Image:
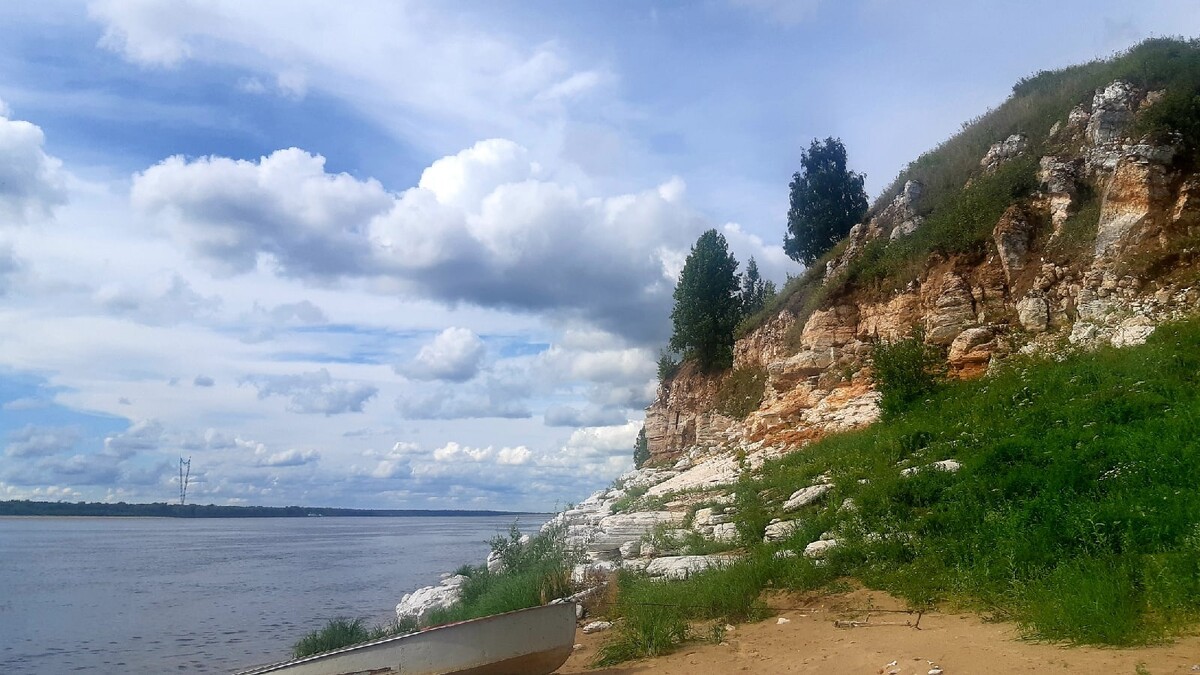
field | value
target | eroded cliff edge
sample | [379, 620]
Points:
[1102, 250]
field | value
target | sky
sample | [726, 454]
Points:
[393, 254]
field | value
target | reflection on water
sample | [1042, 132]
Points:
[148, 595]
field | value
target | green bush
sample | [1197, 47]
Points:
[668, 365]
[906, 370]
[741, 392]
[641, 448]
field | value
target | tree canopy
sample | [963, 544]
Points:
[641, 449]
[827, 199]
[707, 303]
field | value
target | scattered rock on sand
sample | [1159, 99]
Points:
[597, 626]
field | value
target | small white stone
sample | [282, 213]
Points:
[817, 549]
[597, 626]
[805, 496]
[780, 621]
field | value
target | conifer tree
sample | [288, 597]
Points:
[827, 199]
[707, 303]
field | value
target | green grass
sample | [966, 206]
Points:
[533, 574]
[654, 617]
[628, 500]
[1075, 514]
[342, 632]
[1076, 498]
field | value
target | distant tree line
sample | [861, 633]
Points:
[162, 510]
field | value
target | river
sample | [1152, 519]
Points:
[158, 595]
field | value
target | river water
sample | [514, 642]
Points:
[157, 595]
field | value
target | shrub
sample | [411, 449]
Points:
[906, 370]
[742, 392]
[641, 448]
[667, 366]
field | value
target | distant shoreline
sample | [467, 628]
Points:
[164, 510]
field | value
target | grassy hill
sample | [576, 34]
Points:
[961, 204]
[1075, 513]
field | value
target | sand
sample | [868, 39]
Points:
[959, 644]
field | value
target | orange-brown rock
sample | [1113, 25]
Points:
[1020, 292]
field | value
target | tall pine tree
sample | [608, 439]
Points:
[827, 199]
[707, 303]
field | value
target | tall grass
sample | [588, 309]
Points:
[342, 632]
[532, 574]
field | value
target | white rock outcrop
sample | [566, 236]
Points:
[418, 604]
[778, 530]
[683, 566]
[805, 496]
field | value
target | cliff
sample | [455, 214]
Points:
[1100, 248]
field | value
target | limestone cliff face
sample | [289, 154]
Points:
[1018, 297]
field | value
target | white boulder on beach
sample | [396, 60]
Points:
[421, 602]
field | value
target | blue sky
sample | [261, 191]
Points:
[421, 255]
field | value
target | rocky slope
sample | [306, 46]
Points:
[1038, 286]
[1138, 270]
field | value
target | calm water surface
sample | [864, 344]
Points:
[150, 595]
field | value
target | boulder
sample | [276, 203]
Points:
[631, 549]
[947, 465]
[805, 496]
[819, 548]
[1003, 151]
[1137, 189]
[951, 309]
[724, 532]
[597, 626]
[683, 566]
[971, 351]
[1132, 331]
[586, 573]
[779, 530]
[1112, 111]
[418, 604]
[1013, 235]
[1034, 313]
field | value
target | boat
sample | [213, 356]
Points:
[534, 641]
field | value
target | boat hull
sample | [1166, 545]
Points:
[533, 641]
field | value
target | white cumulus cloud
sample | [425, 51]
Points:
[286, 205]
[454, 355]
[32, 182]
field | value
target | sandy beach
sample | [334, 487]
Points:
[958, 644]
